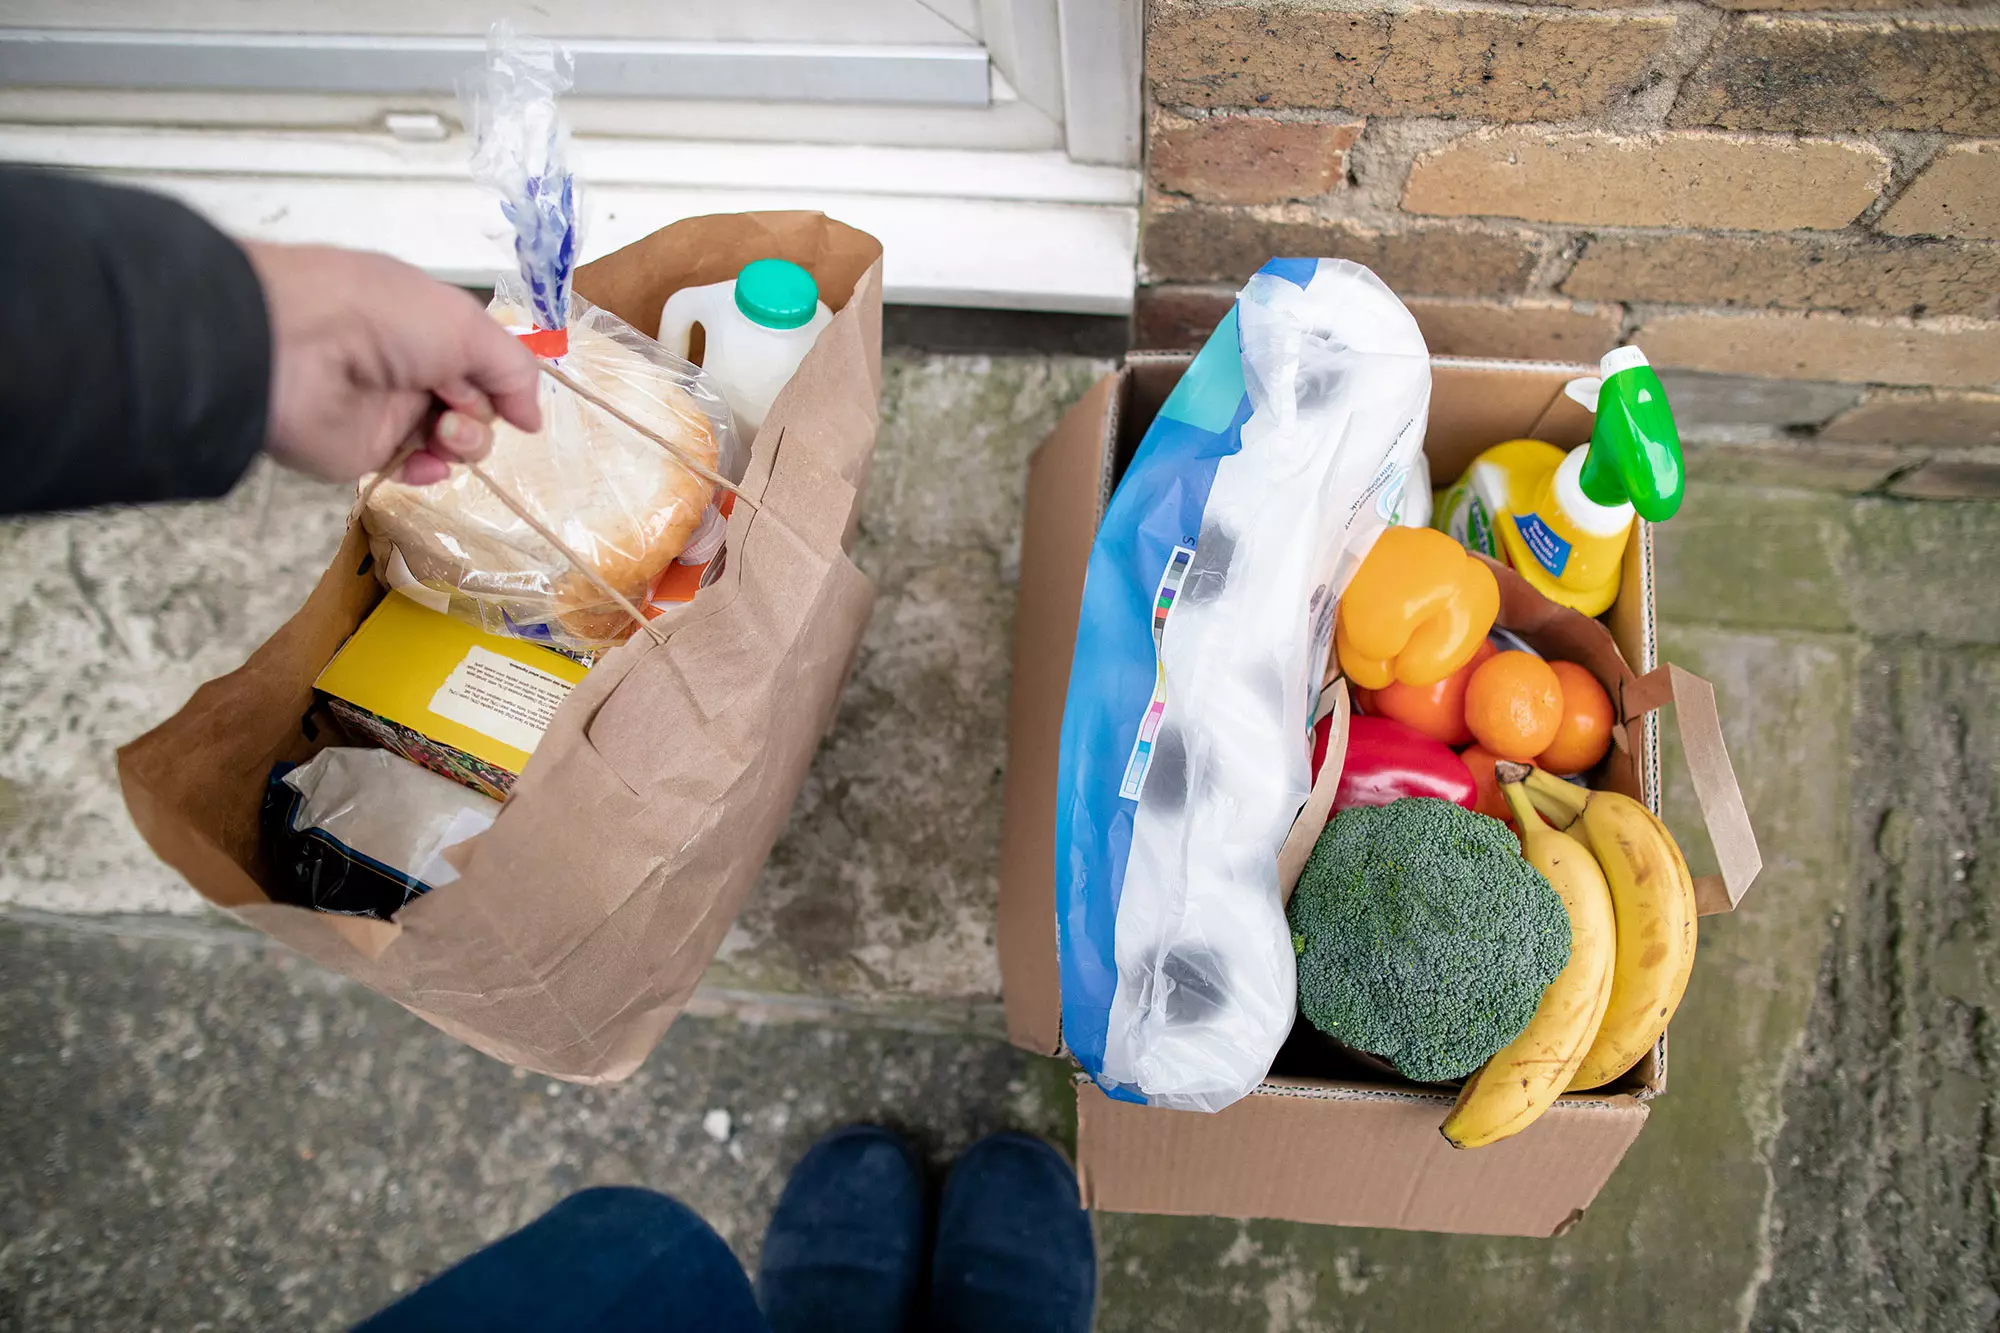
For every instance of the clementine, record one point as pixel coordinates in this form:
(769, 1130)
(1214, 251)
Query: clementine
(1584, 733)
(1513, 705)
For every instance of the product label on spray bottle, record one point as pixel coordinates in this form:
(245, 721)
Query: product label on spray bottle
(1550, 551)
(1462, 515)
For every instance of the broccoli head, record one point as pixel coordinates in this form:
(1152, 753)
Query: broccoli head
(1423, 936)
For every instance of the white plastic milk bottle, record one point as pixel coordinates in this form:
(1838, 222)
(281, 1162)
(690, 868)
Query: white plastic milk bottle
(757, 330)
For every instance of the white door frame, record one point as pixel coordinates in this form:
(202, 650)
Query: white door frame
(1039, 229)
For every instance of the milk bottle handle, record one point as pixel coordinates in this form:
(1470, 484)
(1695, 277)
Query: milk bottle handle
(686, 308)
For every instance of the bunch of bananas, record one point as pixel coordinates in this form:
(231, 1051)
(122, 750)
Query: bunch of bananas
(1632, 935)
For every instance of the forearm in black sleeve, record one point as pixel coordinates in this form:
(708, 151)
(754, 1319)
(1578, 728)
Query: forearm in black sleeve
(135, 356)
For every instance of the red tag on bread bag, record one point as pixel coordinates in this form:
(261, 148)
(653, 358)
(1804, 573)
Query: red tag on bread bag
(551, 343)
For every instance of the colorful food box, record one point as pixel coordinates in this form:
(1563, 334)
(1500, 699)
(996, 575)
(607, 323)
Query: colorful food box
(441, 693)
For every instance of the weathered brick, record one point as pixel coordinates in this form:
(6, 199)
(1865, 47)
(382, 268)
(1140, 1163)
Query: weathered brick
(1178, 316)
(1804, 465)
(1911, 278)
(1710, 405)
(1182, 315)
(1921, 416)
(1496, 65)
(1954, 352)
(1958, 194)
(1204, 243)
(1524, 330)
(1234, 159)
(1830, 75)
(1850, 5)
(1688, 179)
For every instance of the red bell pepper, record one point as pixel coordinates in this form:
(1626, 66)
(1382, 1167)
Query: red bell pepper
(1387, 761)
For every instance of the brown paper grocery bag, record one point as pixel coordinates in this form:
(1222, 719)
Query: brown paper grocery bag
(583, 919)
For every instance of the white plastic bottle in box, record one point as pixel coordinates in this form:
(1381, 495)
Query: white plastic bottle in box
(757, 330)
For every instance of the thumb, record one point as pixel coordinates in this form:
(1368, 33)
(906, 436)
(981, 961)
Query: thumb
(501, 367)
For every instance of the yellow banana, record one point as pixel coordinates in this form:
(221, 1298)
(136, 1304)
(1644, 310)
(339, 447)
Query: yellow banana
(1560, 801)
(1523, 1078)
(1654, 897)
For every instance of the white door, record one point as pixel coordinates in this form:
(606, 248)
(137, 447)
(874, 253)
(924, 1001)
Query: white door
(992, 145)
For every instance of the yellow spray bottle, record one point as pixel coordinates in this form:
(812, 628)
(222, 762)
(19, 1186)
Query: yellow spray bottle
(1561, 519)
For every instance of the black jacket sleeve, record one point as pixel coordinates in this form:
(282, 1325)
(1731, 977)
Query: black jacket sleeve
(135, 355)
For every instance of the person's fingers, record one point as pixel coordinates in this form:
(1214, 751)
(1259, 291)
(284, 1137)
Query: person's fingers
(500, 365)
(466, 400)
(459, 438)
(424, 469)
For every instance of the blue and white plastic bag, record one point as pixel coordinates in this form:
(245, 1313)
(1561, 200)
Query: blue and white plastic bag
(1207, 616)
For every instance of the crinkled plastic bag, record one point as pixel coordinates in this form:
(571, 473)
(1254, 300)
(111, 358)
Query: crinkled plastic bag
(616, 499)
(1208, 610)
(360, 831)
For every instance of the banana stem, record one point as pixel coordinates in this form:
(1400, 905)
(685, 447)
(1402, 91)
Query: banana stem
(1516, 795)
(1561, 801)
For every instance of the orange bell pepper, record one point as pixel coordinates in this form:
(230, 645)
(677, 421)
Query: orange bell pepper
(1416, 610)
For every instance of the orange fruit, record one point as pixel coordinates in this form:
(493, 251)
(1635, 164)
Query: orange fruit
(1438, 710)
(1490, 801)
(1584, 733)
(1513, 704)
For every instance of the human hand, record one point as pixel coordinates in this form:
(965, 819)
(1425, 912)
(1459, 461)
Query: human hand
(368, 353)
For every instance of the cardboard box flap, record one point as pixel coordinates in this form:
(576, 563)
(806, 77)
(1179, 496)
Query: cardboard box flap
(1477, 404)
(1713, 777)
(1267, 1156)
(1065, 480)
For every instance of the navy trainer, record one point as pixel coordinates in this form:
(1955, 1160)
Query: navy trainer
(1015, 1252)
(844, 1250)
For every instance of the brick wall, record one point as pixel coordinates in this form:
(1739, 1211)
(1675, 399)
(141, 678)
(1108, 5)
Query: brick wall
(1749, 187)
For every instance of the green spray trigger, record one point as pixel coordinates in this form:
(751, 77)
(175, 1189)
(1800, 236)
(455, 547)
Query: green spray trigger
(1635, 449)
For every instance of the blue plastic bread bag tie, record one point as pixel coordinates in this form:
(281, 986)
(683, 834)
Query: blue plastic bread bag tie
(1207, 616)
(521, 153)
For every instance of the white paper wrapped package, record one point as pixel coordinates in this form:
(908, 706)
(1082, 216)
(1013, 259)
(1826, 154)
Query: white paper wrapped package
(1203, 640)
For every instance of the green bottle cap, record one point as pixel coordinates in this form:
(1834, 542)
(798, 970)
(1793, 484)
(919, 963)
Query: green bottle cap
(1635, 449)
(776, 293)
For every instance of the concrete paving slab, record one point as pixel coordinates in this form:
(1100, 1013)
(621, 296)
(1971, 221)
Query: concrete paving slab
(117, 616)
(220, 1135)
(113, 618)
(884, 884)
(1740, 555)
(1883, 1212)
(1755, 458)
(1702, 400)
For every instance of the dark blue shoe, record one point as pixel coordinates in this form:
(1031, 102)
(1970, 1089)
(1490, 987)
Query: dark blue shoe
(1015, 1253)
(844, 1251)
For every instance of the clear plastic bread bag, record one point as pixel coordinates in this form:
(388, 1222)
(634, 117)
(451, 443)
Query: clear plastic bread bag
(617, 500)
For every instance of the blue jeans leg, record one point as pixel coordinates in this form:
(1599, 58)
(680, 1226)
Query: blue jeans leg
(619, 1260)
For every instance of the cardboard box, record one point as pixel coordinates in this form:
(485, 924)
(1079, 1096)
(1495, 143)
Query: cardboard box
(1323, 1139)
(466, 704)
